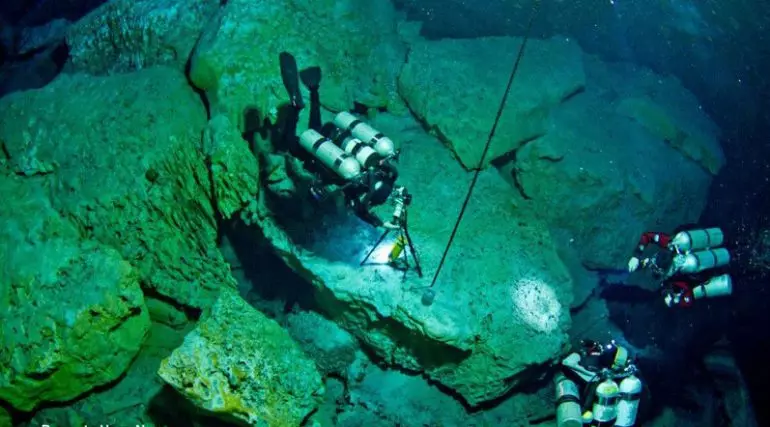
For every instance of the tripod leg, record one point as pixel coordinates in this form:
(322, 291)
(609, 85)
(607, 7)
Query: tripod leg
(413, 250)
(402, 233)
(375, 246)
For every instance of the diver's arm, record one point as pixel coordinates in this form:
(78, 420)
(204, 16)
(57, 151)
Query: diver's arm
(659, 239)
(648, 237)
(572, 362)
(367, 216)
(390, 170)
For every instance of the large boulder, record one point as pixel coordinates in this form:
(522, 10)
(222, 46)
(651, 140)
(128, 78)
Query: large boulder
(34, 39)
(73, 313)
(133, 400)
(233, 170)
(501, 305)
(240, 365)
(382, 397)
(601, 179)
(731, 385)
(355, 43)
(455, 87)
(128, 35)
(332, 348)
(122, 157)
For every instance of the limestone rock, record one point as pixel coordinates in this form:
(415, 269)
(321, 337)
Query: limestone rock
(355, 43)
(501, 307)
(6, 420)
(600, 179)
(241, 365)
(335, 396)
(42, 37)
(455, 87)
(128, 35)
(662, 107)
(121, 156)
(234, 170)
(694, 143)
(390, 397)
(731, 385)
(131, 400)
(332, 348)
(584, 281)
(164, 312)
(73, 312)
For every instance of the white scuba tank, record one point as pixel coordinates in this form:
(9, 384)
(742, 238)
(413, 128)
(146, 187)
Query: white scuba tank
(567, 402)
(628, 402)
(605, 410)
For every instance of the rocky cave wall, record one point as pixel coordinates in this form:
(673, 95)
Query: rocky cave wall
(124, 173)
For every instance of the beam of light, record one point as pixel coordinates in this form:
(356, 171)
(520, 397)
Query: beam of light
(380, 255)
(536, 304)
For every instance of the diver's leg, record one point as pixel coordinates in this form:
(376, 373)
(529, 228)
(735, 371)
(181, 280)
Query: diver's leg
(290, 77)
(311, 77)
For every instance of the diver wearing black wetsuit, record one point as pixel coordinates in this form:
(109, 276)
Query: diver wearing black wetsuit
(371, 188)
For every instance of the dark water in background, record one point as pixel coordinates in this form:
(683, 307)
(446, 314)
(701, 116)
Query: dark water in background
(38, 12)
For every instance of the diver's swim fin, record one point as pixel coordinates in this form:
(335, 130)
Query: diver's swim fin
(311, 77)
(290, 77)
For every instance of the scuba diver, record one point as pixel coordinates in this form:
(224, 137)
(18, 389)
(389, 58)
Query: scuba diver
(597, 386)
(346, 155)
(680, 262)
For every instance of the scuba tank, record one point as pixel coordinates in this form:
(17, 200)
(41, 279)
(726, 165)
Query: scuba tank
(605, 409)
(628, 402)
(398, 248)
(694, 240)
(567, 403)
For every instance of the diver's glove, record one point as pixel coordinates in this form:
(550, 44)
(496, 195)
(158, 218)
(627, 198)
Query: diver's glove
(391, 225)
(633, 264)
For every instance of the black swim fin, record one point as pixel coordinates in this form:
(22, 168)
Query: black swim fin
(290, 77)
(311, 77)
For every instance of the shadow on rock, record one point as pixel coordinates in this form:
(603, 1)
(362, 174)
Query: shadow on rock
(269, 275)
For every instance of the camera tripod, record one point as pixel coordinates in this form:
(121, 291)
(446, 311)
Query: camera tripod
(403, 240)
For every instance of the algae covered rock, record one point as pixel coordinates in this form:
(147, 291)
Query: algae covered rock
(685, 136)
(455, 87)
(234, 170)
(662, 107)
(355, 43)
(5, 418)
(731, 386)
(391, 398)
(240, 365)
(501, 305)
(42, 37)
(601, 179)
(122, 157)
(332, 348)
(73, 312)
(127, 35)
(133, 400)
